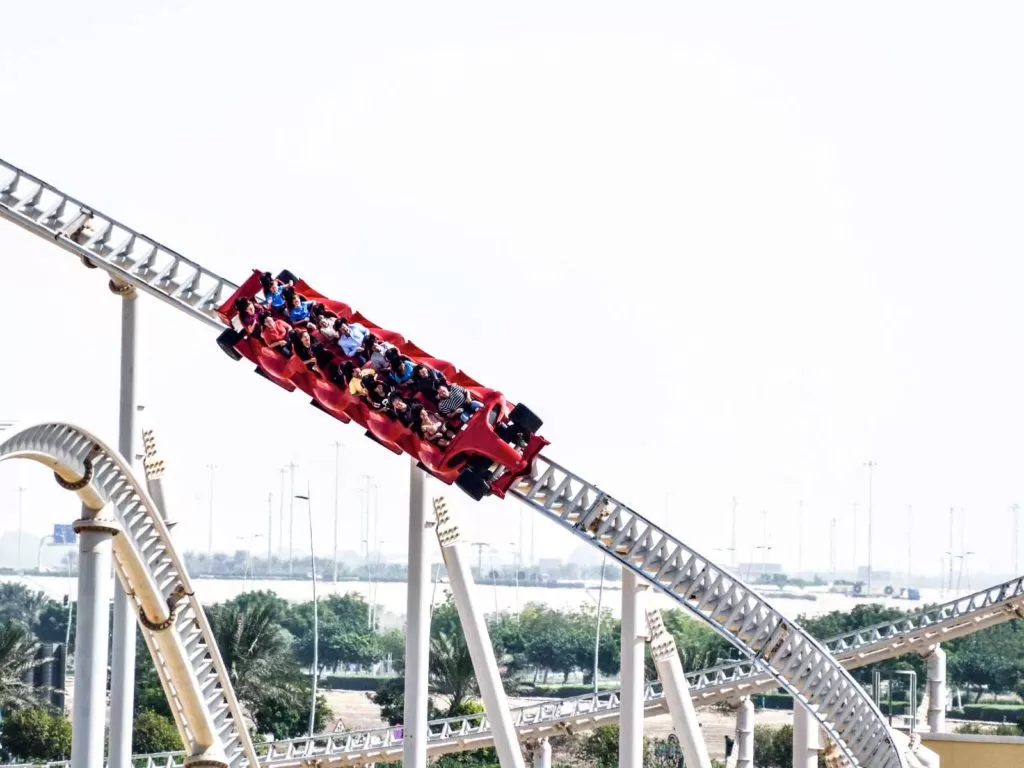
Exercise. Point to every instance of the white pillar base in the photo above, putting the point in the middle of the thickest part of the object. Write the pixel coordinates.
(936, 690)
(631, 718)
(542, 757)
(744, 745)
(417, 645)
(88, 724)
(806, 737)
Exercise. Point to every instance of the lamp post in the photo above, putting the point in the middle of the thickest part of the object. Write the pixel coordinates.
(316, 626)
(870, 464)
(21, 492)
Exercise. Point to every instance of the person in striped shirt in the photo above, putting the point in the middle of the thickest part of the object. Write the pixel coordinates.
(453, 400)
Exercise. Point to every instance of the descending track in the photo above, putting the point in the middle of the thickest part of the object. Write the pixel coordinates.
(172, 620)
(791, 657)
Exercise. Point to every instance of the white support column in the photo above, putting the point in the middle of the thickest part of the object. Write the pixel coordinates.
(95, 533)
(806, 737)
(631, 719)
(677, 693)
(460, 577)
(744, 745)
(122, 663)
(936, 661)
(542, 757)
(417, 642)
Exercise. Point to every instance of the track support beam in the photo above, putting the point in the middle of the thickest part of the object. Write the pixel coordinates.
(417, 644)
(634, 637)
(122, 663)
(460, 576)
(677, 692)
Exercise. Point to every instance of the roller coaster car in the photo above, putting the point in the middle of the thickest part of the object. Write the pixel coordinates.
(497, 445)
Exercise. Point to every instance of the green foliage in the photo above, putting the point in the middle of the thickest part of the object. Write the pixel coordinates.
(149, 693)
(20, 604)
(600, 747)
(1003, 729)
(285, 714)
(861, 616)
(992, 659)
(773, 746)
(17, 657)
(390, 697)
(153, 732)
(36, 734)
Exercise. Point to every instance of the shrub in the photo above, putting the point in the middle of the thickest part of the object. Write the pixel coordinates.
(154, 733)
(36, 734)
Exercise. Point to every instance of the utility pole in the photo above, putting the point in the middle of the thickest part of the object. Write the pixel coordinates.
(280, 517)
(910, 544)
(21, 492)
(479, 557)
(856, 568)
(952, 515)
(270, 531)
(291, 519)
(1015, 509)
(337, 491)
(735, 563)
(870, 464)
(832, 548)
(800, 539)
(209, 544)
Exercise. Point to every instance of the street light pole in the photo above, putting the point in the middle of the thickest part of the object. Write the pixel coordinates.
(209, 543)
(870, 464)
(21, 492)
(337, 491)
(316, 618)
(291, 521)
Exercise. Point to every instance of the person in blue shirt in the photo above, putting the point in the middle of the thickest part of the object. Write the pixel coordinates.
(298, 310)
(400, 367)
(350, 337)
(273, 292)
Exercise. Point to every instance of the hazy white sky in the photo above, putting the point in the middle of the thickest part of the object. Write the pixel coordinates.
(721, 250)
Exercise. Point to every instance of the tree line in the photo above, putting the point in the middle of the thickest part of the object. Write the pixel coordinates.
(267, 647)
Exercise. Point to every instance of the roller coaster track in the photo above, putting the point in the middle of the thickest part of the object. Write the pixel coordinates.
(792, 658)
(173, 623)
(914, 633)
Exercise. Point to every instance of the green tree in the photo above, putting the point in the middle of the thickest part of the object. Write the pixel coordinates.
(149, 691)
(51, 624)
(19, 603)
(837, 623)
(36, 734)
(153, 732)
(255, 649)
(451, 669)
(285, 714)
(17, 657)
(992, 659)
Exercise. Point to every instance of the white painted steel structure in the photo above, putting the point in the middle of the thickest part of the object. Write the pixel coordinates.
(478, 639)
(677, 692)
(789, 657)
(149, 569)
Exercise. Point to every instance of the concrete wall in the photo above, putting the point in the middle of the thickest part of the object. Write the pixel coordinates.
(961, 750)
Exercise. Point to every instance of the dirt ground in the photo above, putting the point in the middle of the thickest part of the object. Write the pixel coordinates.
(356, 711)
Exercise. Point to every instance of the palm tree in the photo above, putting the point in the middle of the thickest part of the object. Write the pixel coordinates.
(19, 603)
(451, 669)
(17, 659)
(255, 649)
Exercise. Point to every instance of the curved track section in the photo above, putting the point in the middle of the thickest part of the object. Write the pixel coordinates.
(173, 624)
(797, 661)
